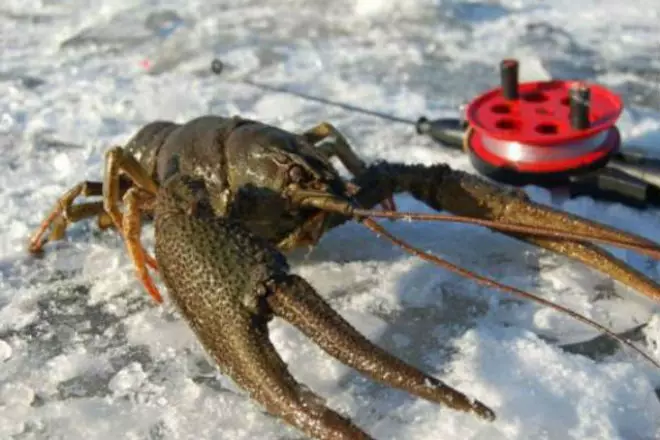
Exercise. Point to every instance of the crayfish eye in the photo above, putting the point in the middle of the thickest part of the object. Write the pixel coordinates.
(295, 174)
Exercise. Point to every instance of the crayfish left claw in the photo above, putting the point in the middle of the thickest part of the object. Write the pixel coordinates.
(464, 194)
(527, 212)
(442, 188)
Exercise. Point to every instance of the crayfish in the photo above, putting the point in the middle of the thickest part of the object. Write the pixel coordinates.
(228, 196)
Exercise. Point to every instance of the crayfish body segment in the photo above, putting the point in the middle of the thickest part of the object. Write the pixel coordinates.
(228, 195)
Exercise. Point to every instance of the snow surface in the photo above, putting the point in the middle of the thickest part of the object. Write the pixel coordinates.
(85, 355)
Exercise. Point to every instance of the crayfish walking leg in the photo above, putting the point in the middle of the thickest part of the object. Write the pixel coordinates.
(339, 147)
(136, 198)
(144, 146)
(65, 212)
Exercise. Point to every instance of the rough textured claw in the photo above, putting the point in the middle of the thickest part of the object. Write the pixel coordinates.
(599, 259)
(228, 283)
(265, 376)
(489, 201)
(442, 188)
(298, 303)
(216, 273)
(227, 278)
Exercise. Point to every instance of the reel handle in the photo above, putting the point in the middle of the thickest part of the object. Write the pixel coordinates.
(633, 161)
(615, 185)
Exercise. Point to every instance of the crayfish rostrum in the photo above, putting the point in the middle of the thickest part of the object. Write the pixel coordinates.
(229, 195)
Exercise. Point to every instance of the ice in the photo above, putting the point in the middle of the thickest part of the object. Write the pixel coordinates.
(16, 394)
(85, 354)
(5, 351)
(127, 380)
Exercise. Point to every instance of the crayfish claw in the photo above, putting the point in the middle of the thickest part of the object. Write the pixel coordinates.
(294, 300)
(460, 193)
(265, 376)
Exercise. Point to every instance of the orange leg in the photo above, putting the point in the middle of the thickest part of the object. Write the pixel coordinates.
(118, 162)
(135, 201)
(65, 213)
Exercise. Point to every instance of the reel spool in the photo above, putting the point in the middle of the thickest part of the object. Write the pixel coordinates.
(541, 132)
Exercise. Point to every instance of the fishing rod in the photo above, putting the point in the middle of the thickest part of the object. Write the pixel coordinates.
(557, 134)
(447, 131)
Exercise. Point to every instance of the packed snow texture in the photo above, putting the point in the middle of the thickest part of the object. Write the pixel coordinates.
(85, 354)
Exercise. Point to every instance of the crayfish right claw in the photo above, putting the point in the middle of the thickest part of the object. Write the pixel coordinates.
(297, 302)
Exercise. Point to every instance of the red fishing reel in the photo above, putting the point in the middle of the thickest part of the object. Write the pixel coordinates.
(544, 131)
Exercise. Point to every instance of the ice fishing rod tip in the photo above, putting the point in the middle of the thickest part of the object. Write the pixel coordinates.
(217, 66)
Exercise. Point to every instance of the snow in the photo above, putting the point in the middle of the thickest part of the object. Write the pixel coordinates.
(85, 354)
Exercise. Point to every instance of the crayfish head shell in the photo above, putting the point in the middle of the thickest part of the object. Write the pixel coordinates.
(262, 156)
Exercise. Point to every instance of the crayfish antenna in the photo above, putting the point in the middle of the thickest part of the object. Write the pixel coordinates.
(572, 239)
(381, 231)
(644, 247)
(596, 234)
